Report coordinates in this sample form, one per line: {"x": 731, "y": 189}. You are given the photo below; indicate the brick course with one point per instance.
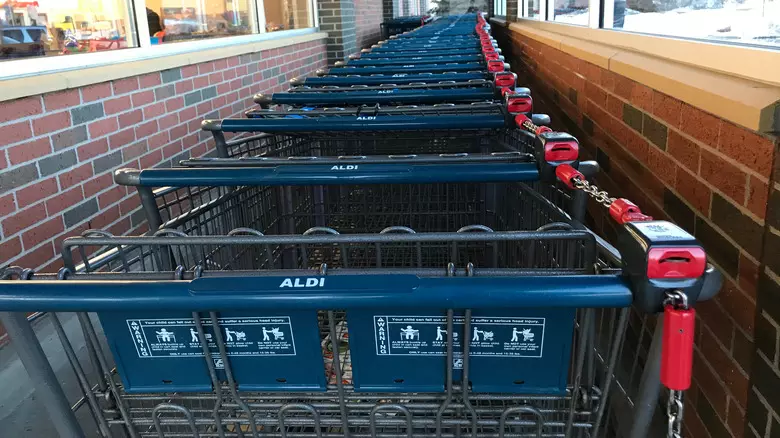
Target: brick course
{"x": 59, "y": 149}
{"x": 713, "y": 178}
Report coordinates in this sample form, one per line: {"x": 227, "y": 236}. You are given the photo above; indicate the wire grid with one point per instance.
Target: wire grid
{"x": 441, "y": 109}
{"x": 380, "y": 143}
{"x": 421, "y": 85}
{"x": 398, "y": 208}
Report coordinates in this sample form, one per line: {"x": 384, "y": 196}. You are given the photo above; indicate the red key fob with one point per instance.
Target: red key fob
{"x": 677, "y": 347}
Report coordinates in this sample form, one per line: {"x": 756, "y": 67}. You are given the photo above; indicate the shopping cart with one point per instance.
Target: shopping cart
{"x": 356, "y": 328}
{"x": 403, "y": 24}
{"x": 475, "y": 90}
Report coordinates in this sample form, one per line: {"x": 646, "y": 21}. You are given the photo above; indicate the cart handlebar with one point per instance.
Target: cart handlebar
{"x": 317, "y": 292}
{"x": 363, "y": 123}
{"x": 329, "y": 174}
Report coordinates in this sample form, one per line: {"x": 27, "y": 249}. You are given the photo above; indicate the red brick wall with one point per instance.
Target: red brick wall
{"x": 368, "y": 17}
{"x": 58, "y": 150}
{"x": 710, "y": 176}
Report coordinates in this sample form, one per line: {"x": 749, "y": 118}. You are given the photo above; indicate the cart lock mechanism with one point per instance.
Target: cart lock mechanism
{"x": 667, "y": 270}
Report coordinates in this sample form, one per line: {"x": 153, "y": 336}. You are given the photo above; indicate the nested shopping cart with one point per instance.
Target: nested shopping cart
{"x": 398, "y": 25}
{"x": 435, "y": 308}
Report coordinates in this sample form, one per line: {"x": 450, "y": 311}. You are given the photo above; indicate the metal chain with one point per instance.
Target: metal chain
{"x": 674, "y": 411}
{"x": 675, "y": 405}
{"x": 601, "y": 196}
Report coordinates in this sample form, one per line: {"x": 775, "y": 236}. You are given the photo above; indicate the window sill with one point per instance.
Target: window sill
{"x": 753, "y": 102}
{"x": 27, "y": 77}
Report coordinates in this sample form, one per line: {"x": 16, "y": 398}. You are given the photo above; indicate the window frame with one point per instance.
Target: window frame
{"x": 143, "y": 50}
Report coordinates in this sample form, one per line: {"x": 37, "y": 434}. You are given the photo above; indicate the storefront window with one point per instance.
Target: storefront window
{"x": 743, "y": 21}
{"x": 532, "y": 10}
{"x": 287, "y": 14}
{"x": 571, "y": 11}
{"x": 63, "y": 27}
{"x": 183, "y": 20}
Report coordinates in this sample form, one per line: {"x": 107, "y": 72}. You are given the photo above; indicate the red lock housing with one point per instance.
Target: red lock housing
{"x": 505, "y": 79}
{"x": 519, "y": 103}
{"x": 495, "y": 66}
{"x": 623, "y": 211}
{"x": 677, "y": 348}
{"x": 677, "y": 262}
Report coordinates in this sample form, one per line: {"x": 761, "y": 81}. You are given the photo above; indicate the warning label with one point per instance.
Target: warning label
{"x": 488, "y": 336}
{"x": 261, "y": 336}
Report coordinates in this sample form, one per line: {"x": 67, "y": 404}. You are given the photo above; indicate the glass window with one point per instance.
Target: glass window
{"x": 571, "y": 11}
{"x": 184, "y": 20}
{"x": 287, "y": 14}
{"x": 532, "y": 9}
{"x": 64, "y": 27}
{"x": 743, "y": 21}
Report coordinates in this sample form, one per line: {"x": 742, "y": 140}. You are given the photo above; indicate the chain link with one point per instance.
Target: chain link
{"x": 674, "y": 405}
{"x": 601, "y": 196}
{"x": 674, "y": 412}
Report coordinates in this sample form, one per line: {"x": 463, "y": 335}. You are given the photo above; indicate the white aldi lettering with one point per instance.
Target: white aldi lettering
{"x": 303, "y": 282}
{"x": 345, "y": 167}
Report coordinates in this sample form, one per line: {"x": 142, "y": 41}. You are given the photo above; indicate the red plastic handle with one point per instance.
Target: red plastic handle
{"x": 567, "y": 174}
{"x": 677, "y": 348}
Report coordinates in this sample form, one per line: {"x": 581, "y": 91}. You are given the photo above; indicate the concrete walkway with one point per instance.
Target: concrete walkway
{"x": 21, "y": 414}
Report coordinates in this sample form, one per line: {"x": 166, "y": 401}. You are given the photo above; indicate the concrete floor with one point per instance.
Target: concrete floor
{"x": 21, "y": 414}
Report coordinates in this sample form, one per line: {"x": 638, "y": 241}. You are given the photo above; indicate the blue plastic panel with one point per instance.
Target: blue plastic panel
{"x": 513, "y": 351}
{"x": 160, "y": 351}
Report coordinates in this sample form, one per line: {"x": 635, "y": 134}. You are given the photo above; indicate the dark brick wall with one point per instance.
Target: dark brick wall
{"x": 710, "y": 176}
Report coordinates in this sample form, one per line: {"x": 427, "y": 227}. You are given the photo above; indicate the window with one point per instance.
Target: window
{"x": 182, "y": 20}
{"x": 499, "y": 8}
{"x": 287, "y": 14}
{"x": 571, "y": 11}
{"x": 743, "y": 21}
{"x": 532, "y": 9}
{"x": 755, "y": 22}
{"x": 64, "y": 27}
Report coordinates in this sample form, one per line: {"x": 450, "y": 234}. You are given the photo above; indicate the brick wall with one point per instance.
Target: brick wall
{"x": 337, "y": 17}
{"x": 368, "y": 17}
{"x": 764, "y": 397}
{"x": 58, "y": 150}
{"x": 708, "y": 175}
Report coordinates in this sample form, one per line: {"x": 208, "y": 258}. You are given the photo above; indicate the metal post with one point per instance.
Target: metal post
{"x": 649, "y": 386}
{"x": 151, "y": 210}
{"x": 220, "y": 144}
{"x": 47, "y": 387}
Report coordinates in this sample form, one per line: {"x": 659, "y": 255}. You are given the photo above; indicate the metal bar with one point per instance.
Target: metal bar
{"x": 649, "y": 386}
{"x": 151, "y": 210}
{"x": 337, "y": 292}
{"x": 47, "y": 387}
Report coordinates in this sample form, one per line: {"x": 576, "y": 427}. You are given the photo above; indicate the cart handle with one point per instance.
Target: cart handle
{"x": 394, "y": 69}
{"x": 358, "y": 123}
{"x": 315, "y": 293}
{"x": 329, "y": 174}
{"x": 479, "y": 92}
